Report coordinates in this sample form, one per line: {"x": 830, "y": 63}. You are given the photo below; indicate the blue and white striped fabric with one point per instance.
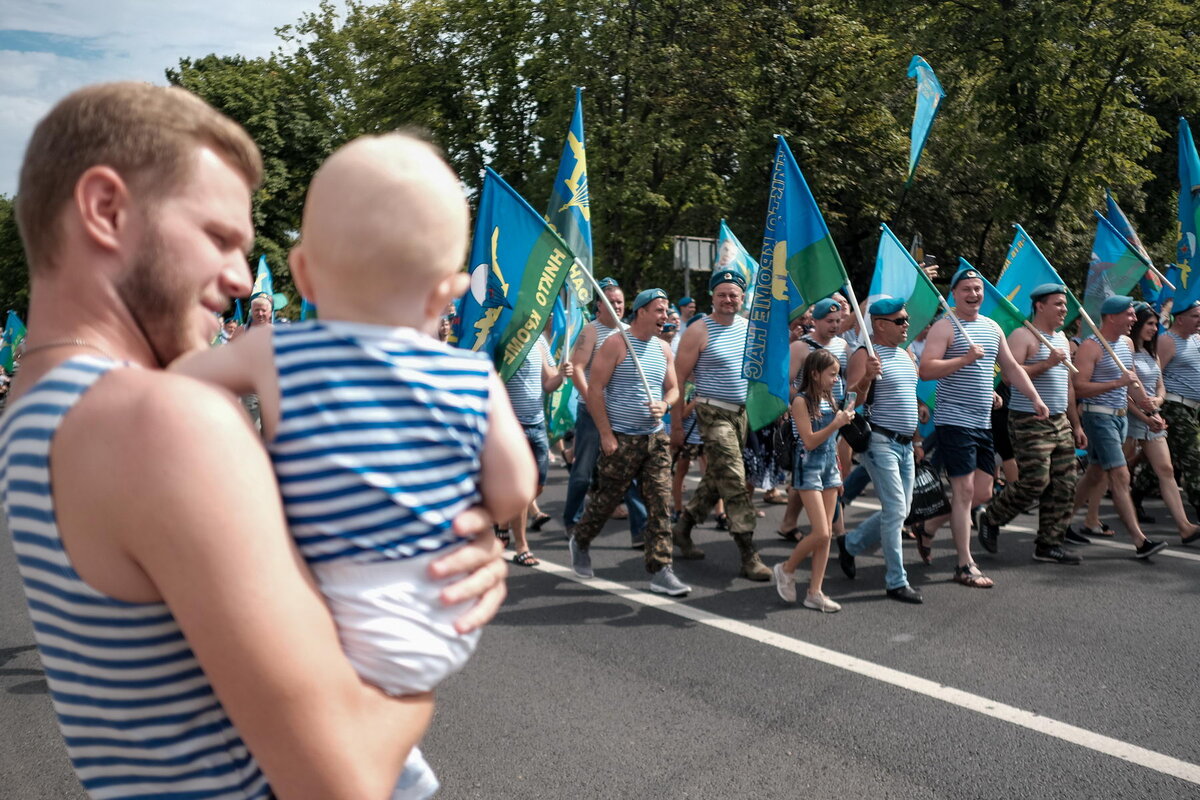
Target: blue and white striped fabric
{"x": 380, "y": 436}
{"x": 625, "y": 396}
{"x": 1148, "y": 371}
{"x": 894, "y": 402}
{"x": 1106, "y": 371}
{"x": 718, "y": 371}
{"x": 138, "y": 716}
{"x": 1051, "y": 385}
{"x": 525, "y": 385}
{"x": 964, "y": 397}
{"x": 1182, "y": 374}
{"x": 602, "y": 334}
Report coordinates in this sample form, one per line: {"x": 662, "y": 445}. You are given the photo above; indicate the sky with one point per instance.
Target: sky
{"x": 48, "y": 49}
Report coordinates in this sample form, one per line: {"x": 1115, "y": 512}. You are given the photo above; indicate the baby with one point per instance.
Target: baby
{"x": 380, "y": 434}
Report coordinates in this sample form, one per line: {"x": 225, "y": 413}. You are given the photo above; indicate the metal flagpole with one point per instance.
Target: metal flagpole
{"x": 624, "y": 334}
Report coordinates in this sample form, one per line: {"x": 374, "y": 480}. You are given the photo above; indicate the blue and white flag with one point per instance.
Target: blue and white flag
{"x": 1188, "y": 289}
{"x": 731, "y": 255}
{"x": 929, "y": 98}
{"x": 570, "y": 212}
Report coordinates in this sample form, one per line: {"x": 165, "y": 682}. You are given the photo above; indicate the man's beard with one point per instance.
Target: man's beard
{"x": 157, "y": 300}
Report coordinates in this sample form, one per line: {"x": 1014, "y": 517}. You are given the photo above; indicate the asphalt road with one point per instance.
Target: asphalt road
{"x": 1061, "y": 682}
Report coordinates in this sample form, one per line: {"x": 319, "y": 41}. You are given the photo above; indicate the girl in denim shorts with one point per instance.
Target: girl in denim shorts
{"x": 815, "y": 474}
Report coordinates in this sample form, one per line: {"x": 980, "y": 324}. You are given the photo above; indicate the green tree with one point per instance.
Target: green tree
{"x": 14, "y": 272}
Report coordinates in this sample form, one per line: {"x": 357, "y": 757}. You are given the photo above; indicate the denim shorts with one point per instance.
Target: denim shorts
{"x": 964, "y": 450}
{"x": 1139, "y": 431}
{"x": 540, "y": 445}
{"x": 1106, "y": 435}
{"x": 816, "y": 471}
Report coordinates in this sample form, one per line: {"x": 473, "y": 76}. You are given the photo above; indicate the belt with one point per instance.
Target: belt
{"x": 1116, "y": 412}
{"x": 898, "y": 438}
{"x": 1187, "y": 401}
{"x": 712, "y": 401}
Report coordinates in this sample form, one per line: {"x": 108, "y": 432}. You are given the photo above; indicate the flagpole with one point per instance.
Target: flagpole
{"x": 955, "y": 320}
{"x": 1160, "y": 276}
{"x": 1042, "y": 338}
{"x": 1104, "y": 343}
{"x": 624, "y": 334}
{"x": 862, "y": 324}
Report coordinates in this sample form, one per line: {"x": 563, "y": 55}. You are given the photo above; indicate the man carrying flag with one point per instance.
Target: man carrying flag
{"x": 1044, "y": 448}
{"x": 1179, "y": 354}
{"x": 710, "y": 355}
{"x": 961, "y": 353}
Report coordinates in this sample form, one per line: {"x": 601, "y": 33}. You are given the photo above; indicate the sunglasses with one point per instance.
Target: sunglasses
{"x": 897, "y": 321}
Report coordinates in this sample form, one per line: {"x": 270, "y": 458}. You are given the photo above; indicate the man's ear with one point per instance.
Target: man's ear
{"x": 104, "y": 204}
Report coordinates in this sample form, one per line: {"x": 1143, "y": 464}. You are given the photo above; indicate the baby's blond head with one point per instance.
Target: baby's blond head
{"x": 385, "y": 222}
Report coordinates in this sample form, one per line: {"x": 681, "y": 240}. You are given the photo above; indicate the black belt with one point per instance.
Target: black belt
{"x": 898, "y": 438}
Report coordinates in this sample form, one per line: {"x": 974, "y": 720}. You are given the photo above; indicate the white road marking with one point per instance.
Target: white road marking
{"x": 1100, "y": 743}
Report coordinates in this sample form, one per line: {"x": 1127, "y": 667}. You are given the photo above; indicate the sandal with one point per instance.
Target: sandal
{"x": 775, "y": 497}
{"x": 722, "y": 522}
{"x": 792, "y": 534}
{"x": 925, "y": 551}
{"x": 976, "y": 580}
{"x": 539, "y": 521}
{"x": 503, "y": 534}
{"x": 526, "y": 559}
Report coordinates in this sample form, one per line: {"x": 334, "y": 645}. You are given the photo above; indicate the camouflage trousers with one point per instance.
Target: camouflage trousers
{"x": 724, "y": 435}
{"x": 648, "y": 459}
{"x": 1047, "y": 473}
{"x": 1183, "y": 440}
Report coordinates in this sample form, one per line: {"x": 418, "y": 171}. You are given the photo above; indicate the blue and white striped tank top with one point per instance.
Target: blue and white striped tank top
{"x": 1182, "y": 374}
{"x": 718, "y": 372}
{"x": 625, "y": 396}
{"x": 894, "y": 402}
{"x": 137, "y": 713}
{"x": 1148, "y": 371}
{"x": 525, "y": 385}
{"x": 964, "y": 398}
{"x": 602, "y": 334}
{"x": 379, "y": 441}
{"x": 1106, "y": 371}
{"x": 841, "y": 351}
{"x": 1051, "y": 385}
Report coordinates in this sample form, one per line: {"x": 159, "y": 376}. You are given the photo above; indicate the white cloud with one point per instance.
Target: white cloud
{"x": 83, "y": 42}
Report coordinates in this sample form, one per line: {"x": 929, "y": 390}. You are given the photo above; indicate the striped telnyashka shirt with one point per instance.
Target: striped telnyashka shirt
{"x": 625, "y": 396}
{"x": 137, "y": 713}
{"x": 718, "y": 372}
{"x": 380, "y": 439}
{"x": 525, "y": 385}
{"x": 1106, "y": 371}
{"x": 1182, "y": 374}
{"x": 1051, "y": 385}
{"x": 894, "y": 398}
{"x": 964, "y": 397}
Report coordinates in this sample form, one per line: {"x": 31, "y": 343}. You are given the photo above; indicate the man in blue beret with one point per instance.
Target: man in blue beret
{"x": 710, "y": 355}
{"x": 1044, "y": 448}
{"x": 1104, "y": 388}
{"x": 961, "y": 354}
{"x": 687, "y": 310}
{"x": 1179, "y": 354}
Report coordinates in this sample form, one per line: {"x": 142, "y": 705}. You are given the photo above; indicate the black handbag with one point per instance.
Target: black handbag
{"x": 783, "y": 443}
{"x": 929, "y": 495}
{"x": 857, "y": 433}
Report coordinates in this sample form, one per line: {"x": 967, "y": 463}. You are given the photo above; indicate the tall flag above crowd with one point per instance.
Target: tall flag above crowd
{"x": 898, "y": 275}
{"x": 570, "y": 210}
{"x": 1024, "y": 270}
{"x": 518, "y": 266}
{"x": 731, "y": 255}
{"x": 1187, "y": 290}
{"x": 14, "y": 334}
{"x": 1115, "y": 267}
{"x": 796, "y": 245}
{"x": 929, "y": 99}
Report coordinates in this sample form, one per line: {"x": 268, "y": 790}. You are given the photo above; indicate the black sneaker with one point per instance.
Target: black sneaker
{"x": 988, "y": 533}
{"x": 1055, "y": 555}
{"x": 845, "y": 559}
{"x": 1073, "y": 536}
{"x": 1149, "y": 548}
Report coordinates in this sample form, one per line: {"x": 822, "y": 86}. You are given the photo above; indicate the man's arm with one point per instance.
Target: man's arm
{"x": 208, "y": 537}
{"x": 856, "y": 370}
{"x": 694, "y": 340}
{"x": 671, "y": 393}
{"x": 1090, "y": 352}
{"x": 552, "y": 377}
{"x": 611, "y": 353}
{"x": 1024, "y": 345}
{"x": 860, "y": 383}
{"x": 584, "y": 344}
{"x": 797, "y": 352}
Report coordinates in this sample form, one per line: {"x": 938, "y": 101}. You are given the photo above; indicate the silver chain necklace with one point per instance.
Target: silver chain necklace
{"x": 67, "y": 343}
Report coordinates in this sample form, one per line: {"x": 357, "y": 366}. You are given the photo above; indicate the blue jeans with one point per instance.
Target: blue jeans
{"x": 587, "y": 450}
{"x": 891, "y": 467}
{"x": 855, "y": 483}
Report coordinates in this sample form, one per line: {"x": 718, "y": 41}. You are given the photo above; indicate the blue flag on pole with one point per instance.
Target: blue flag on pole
{"x": 518, "y": 265}
{"x": 897, "y": 275}
{"x": 1115, "y": 267}
{"x": 570, "y": 212}
{"x": 14, "y": 334}
{"x": 1188, "y": 290}
{"x": 237, "y": 310}
{"x": 1150, "y": 284}
{"x": 929, "y": 98}
{"x": 731, "y": 255}
{"x": 1025, "y": 269}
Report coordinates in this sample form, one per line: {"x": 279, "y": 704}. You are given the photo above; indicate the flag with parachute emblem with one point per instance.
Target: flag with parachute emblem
{"x": 1025, "y": 269}
{"x": 1115, "y": 267}
{"x": 731, "y": 255}
{"x": 929, "y": 99}
{"x": 570, "y": 207}
{"x": 897, "y": 275}
{"x": 518, "y": 265}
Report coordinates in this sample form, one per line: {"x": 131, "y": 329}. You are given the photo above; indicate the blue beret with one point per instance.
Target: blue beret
{"x": 607, "y": 283}
{"x": 647, "y": 296}
{"x": 669, "y": 326}
{"x": 683, "y": 301}
{"x": 886, "y": 305}
{"x": 1194, "y": 304}
{"x": 727, "y": 276}
{"x": 1047, "y": 289}
{"x": 1117, "y": 304}
{"x": 821, "y": 308}
{"x": 964, "y": 273}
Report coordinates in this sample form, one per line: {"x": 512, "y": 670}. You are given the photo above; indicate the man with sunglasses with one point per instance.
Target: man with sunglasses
{"x": 889, "y": 458}
{"x": 1044, "y": 448}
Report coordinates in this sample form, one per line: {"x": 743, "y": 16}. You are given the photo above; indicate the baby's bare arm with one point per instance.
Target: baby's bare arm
{"x": 509, "y": 475}
{"x": 244, "y": 366}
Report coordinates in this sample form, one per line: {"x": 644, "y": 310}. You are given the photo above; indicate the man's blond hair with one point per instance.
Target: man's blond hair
{"x": 146, "y": 133}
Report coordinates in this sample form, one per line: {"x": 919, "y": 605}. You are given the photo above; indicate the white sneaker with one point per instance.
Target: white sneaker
{"x": 665, "y": 581}
{"x": 784, "y": 584}
{"x": 820, "y": 602}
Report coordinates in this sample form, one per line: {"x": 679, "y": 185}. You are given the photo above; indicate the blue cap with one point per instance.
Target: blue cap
{"x": 1047, "y": 289}
{"x": 727, "y": 276}
{"x": 1141, "y": 306}
{"x": 1117, "y": 304}
{"x": 647, "y": 296}
{"x": 669, "y": 326}
{"x": 886, "y": 305}
{"x": 821, "y": 308}
{"x": 684, "y": 301}
{"x": 964, "y": 273}
{"x": 609, "y": 283}
{"x": 1194, "y": 304}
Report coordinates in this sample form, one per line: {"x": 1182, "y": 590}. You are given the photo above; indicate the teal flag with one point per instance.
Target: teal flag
{"x": 731, "y": 255}
{"x": 929, "y": 99}
{"x": 567, "y": 321}
{"x": 897, "y": 275}
{"x": 518, "y": 265}
{"x": 237, "y": 310}
{"x": 1025, "y": 269}
{"x": 263, "y": 284}
{"x": 1115, "y": 267}
{"x": 798, "y": 266}
{"x": 1188, "y": 290}
{"x": 570, "y": 210}
{"x": 14, "y": 334}
{"x": 1150, "y": 283}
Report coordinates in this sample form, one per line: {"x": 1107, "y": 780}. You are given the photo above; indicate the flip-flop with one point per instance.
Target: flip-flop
{"x": 503, "y": 534}
{"x": 526, "y": 559}
{"x": 790, "y": 535}
{"x": 539, "y": 521}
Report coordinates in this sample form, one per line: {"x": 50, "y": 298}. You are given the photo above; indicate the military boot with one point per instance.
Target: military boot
{"x": 752, "y": 566}
{"x": 681, "y": 535}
